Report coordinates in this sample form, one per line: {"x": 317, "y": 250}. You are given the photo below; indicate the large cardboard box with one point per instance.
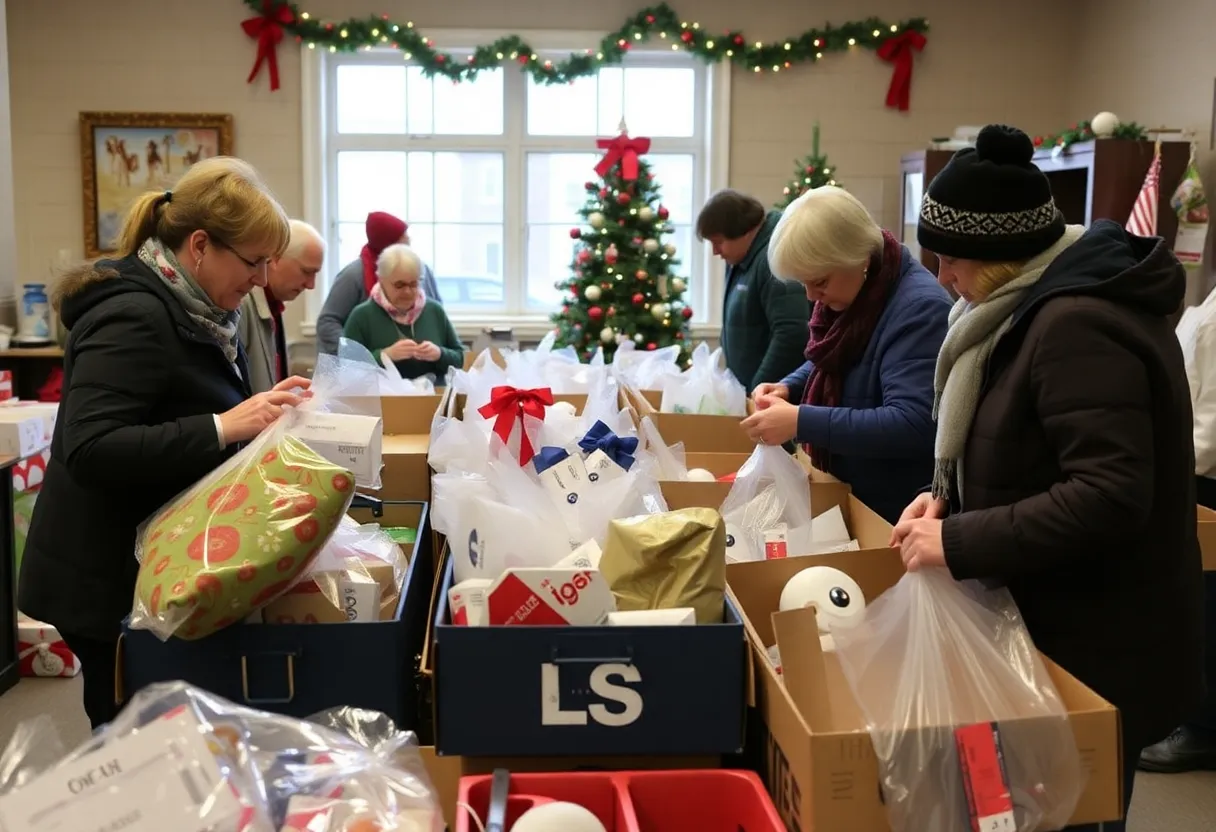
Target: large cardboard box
{"x": 1207, "y": 537}
{"x": 820, "y": 766}
{"x": 407, "y": 431}
{"x": 699, "y": 432}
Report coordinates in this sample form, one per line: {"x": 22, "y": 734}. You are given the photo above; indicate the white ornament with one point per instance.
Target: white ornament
{"x": 650, "y": 246}
{"x": 838, "y": 601}
{"x": 592, "y": 292}
{"x": 1104, "y": 124}
{"x": 670, "y": 249}
{"x": 558, "y": 816}
{"x": 700, "y": 475}
{"x": 638, "y": 338}
{"x": 677, "y": 284}
{"x": 659, "y": 311}
{"x": 595, "y": 219}
{"x": 645, "y": 213}
{"x": 607, "y": 335}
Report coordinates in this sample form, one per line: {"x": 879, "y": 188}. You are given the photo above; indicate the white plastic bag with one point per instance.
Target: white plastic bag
{"x": 388, "y": 380}
{"x": 646, "y": 369}
{"x": 708, "y": 387}
{"x": 669, "y": 459}
{"x": 354, "y": 550}
{"x": 948, "y": 680}
{"x": 180, "y": 758}
{"x": 769, "y": 505}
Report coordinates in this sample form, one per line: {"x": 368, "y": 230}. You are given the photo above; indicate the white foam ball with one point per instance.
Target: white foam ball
{"x": 837, "y": 599}
{"x": 565, "y": 408}
{"x": 1104, "y": 124}
{"x": 558, "y": 817}
{"x": 700, "y": 475}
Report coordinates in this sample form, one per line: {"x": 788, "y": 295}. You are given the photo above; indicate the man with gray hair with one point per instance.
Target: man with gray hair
{"x": 261, "y": 323}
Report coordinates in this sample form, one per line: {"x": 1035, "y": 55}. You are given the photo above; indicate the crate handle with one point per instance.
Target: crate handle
{"x": 374, "y": 504}
{"x": 291, "y": 683}
{"x": 559, "y": 660}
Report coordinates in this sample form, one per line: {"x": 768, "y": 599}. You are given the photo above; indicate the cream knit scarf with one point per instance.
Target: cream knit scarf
{"x": 963, "y": 360}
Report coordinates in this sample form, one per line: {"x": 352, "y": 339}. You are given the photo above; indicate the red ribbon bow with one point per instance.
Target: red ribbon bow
{"x": 509, "y": 405}
{"x": 624, "y": 150}
{"x": 267, "y": 30}
{"x": 898, "y": 51}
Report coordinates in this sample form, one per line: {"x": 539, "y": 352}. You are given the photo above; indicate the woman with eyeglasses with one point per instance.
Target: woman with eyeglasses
{"x": 155, "y": 395}
{"x": 399, "y": 323}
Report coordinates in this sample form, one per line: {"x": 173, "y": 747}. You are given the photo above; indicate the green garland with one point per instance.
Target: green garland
{"x": 1082, "y": 132}
{"x": 658, "y": 22}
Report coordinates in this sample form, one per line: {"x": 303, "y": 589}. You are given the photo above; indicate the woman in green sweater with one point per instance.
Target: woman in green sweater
{"x": 399, "y": 323}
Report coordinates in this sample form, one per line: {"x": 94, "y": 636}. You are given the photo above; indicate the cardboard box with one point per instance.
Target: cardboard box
{"x": 22, "y": 433}
{"x": 700, "y": 433}
{"x": 351, "y": 441}
{"x": 1207, "y": 537}
{"x": 718, "y": 464}
{"x": 821, "y": 769}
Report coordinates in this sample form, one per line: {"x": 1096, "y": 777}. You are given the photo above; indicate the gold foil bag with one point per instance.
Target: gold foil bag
{"x": 663, "y": 561}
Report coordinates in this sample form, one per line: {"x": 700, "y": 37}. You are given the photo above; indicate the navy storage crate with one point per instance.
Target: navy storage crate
{"x": 300, "y": 669}
{"x": 587, "y": 691}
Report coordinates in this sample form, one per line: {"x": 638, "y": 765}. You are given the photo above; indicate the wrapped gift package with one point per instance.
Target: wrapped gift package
{"x": 42, "y": 652}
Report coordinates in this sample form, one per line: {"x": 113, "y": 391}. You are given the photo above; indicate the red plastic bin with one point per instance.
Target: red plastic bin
{"x": 635, "y": 801}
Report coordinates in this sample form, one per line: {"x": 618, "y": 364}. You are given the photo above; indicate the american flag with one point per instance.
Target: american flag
{"x": 1143, "y": 221}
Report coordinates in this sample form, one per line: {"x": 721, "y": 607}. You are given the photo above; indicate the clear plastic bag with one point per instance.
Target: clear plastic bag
{"x": 646, "y": 369}
{"x": 182, "y": 759}
{"x": 769, "y": 504}
{"x": 362, "y": 552}
{"x": 388, "y": 378}
{"x": 708, "y": 387}
{"x": 243, "y": 534}
{"x": 948, "y": 681}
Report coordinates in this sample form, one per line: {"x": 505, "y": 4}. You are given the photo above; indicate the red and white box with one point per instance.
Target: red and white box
{"x": 550, "y": 597}
{"x": 42, "y": 652}
{"x": 6, "y": 385}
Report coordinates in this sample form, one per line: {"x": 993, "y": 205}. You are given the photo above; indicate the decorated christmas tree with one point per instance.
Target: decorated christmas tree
{"x": 813, "y": 171}
{"x": 623, "y": 284}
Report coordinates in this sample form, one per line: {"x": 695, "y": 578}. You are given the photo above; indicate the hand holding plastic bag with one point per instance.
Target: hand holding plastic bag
{"x": 948, "y": 680}
{"x": 179, "y": 758}
{"x": 769, "y": 502}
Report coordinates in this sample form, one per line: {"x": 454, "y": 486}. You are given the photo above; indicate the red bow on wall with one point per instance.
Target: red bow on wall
{"x": 624, "y": 150}
{"x": 267, "y": 30}
{"x": 509, "y": 405}
{"x": 898, "y": 51}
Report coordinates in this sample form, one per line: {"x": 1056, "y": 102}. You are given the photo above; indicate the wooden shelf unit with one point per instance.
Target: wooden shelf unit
{"x": 1092, "y": 180}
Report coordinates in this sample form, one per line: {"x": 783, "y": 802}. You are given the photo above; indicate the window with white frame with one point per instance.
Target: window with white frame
{"x": 489, "y": 173}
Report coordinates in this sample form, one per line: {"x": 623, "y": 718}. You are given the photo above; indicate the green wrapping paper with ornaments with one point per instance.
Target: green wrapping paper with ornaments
{"x": 244, "y": 534}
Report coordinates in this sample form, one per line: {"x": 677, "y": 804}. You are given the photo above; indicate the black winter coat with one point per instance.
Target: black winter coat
{"x": 142, "y": 383}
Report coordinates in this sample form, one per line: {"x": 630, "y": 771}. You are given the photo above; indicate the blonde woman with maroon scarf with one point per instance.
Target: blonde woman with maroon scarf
{"x": 399, "y": 323}
{"x": 861, "y": 404}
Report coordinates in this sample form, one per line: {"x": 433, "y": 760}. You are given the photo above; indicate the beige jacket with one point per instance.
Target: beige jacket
{"x": 256, "y": 331}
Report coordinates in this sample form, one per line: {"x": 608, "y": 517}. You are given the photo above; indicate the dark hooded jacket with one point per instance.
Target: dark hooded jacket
{"x": 142, "y": 382}
{"x": 1078, "y": 480}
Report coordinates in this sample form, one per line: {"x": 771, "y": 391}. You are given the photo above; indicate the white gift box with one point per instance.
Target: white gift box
{"x": 350, "y": 440}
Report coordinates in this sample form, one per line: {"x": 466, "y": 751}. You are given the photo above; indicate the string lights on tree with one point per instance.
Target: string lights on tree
{"x": 894, "y": 42}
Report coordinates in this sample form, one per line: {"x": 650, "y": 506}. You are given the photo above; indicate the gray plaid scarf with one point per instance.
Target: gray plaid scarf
{"x": 219, "y": 323}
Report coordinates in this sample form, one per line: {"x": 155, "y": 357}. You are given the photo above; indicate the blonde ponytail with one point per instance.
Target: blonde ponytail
{"x": 139, "y": 223}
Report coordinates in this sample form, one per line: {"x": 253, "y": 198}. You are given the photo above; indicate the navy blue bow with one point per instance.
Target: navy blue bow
{"x": 619, "y": 449}
{"x": 547, "y": 457}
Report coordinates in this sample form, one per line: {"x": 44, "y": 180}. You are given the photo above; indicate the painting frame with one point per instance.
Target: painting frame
{"x": 92, "y": 177}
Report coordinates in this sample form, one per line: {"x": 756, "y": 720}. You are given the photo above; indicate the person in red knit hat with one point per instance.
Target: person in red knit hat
{"x": 354, "y": 283}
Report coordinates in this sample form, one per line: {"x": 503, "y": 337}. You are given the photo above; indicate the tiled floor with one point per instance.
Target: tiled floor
{"x": 1163, "y": 803}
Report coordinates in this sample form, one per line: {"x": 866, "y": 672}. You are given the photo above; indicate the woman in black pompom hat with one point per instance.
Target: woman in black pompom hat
{"x": 1064, "y": 457}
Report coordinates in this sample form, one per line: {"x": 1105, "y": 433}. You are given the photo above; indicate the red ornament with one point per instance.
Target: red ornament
{"x": 738, "y": 40}
{"x": 589, "y": 186}
{"x": 611, "y": 310}
{"x": 686, "y": 312}
{"x": 267, "y": 30}
{"x": 679, "y": 336}
{"x": 624, "y": 198}
{"x": 1038, "y": 141}
{"x": 652, "y": 346}
{"x": 810, "y": 168}
{"x": 595, "y": 313}
{"x": 575, "y": 233}
{"x": 523, "y": 60}
{"x": 686, "y": 36}
{"x": 650, "y": 18}
{"x": 440, "y": 58}
{"x": 637, "y": 241}
{"x": 621, "y": 222}
{"x": 605, "y": 286}
{"x": 603, "y": 194}
{"x": 642, "y": 274}
{"x": 663, "y": 212}
{"x": 639, "y": 299}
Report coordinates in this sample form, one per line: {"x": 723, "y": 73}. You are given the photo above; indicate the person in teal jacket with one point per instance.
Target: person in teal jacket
{"x": 764, "y": 320}
{"x": 399, "y": 322}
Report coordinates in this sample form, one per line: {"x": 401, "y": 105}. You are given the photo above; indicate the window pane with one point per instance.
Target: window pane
{"x": 550, "y": 252}
{"x": 422, "y": 241}
{"x": 370, "y": 181}
{"x": 555, "y": 186}
{"x": 352, "y": 236}
{"x": 468, "y": 264}
{"x": 562, "y": 109}
{"x": 371, "y": 99}
{"x": 438, "y": 106}
{"x": 674, "y": 173}
{"x": 469, "y": 187}
{"x": 422, "y": 187}
{"x": 634, "y": 97}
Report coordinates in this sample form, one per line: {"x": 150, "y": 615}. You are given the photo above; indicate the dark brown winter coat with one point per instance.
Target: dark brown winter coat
{"x": 1078, "y": 480}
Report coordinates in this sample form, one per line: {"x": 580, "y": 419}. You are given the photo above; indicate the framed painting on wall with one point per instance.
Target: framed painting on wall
{"x": 124, "y": 154}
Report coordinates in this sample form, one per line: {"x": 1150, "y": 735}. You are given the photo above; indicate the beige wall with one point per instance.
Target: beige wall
{"x": 986, "y": 61}
{"x": 1155, "y": 64}
{"x": 8, "y": 238}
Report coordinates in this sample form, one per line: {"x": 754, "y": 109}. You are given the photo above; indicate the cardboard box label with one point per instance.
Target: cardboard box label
{"x": 351, "y": 441}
